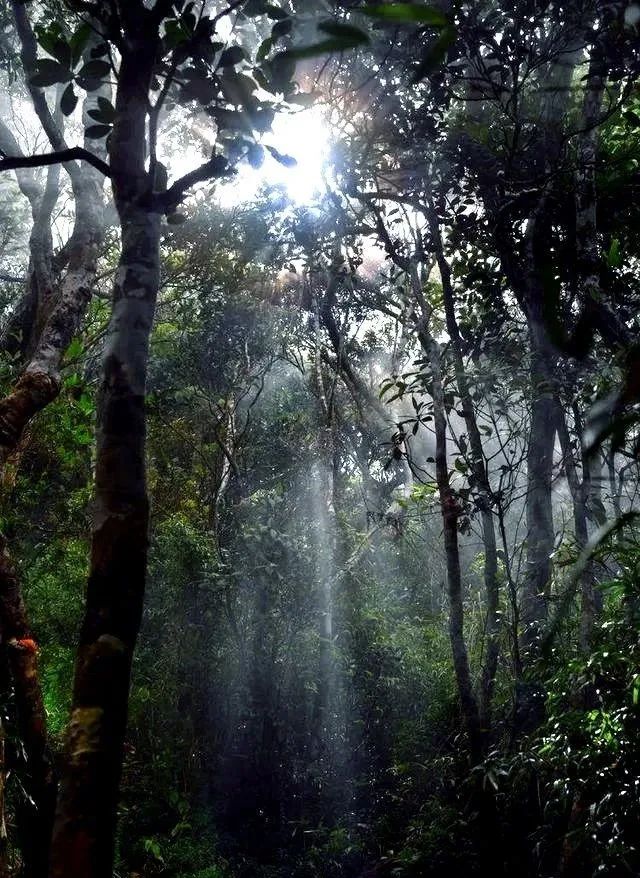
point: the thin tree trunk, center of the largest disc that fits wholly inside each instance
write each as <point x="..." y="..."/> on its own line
<point x="322" y="492"/>
<point x="481" y="480"/>
<point x="450" y="512"/>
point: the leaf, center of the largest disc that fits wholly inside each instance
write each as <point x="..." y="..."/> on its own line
<point x="232" y="55"/>
<point x="202" y="90"/>
<point x="275" y="11"/>
<point x="281" y="28"/>
<point x="632" y="117"/>
<point x="54" y="43"/>
<point x="88" y="84"/>
<point x="287" y="160"/>
<point x="407" y="13"/>
<point x="97" y="116"/>
<point x="68" y="100"/>
<point x="95" y="132"/>
<point x="281" y="69"/>
<point x="265" y="47"/>
<point x="613" y="257"/>
<point x="61" y="51"/>
<point x="255" y="155"/>
<point x="344" y="31"/>
<point x="324" y="47"/>
<point x="49" y="72"/>
<point x="238" y="89"/>
<point x="78" y="42"/>
<point x="107" y="109"/>
<point x="73" y="351"/>
<point x="100" y="50"/>
<point x="435" y="54"/>
<point x="230" y="120"/>
<point x="175" y="33"/>
<point x="94" y="69"/>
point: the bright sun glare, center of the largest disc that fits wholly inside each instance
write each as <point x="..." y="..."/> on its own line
<point x="302" y="135"/>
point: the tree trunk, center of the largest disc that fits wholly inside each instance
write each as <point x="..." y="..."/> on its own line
<point x="450" y="512"/>
<point x="84" y="831"/>
<point x="35" y="818"/>
<point x="539" y="508"/>
<point x="481" y="480"/>
<point x="579" y="489"/>
<point x="38" y="385"/>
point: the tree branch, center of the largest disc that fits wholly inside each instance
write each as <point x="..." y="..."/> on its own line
<point x="217" y="166"/>
<point x="62" y="156"/>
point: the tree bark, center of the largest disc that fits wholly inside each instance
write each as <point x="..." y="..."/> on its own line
<point x="579" y="489"/>
<point x="35" y="818"/>
<point x="450" y="511"/>
<point x="84" y="831"/>
<point x="480" y="476"/>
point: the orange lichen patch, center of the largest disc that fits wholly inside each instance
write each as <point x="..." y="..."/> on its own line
<point x="28" y="643"/>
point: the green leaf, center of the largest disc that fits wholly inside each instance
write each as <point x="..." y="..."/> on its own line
<point x="73" y="351"/>
<point x="407" y="13"/>
<point x="265" y="47"/>
<point x="94" y="69"/>
<point x="344" y="31"/>
<point x="324" y="47"/>
<point x="175" y="33"/>
<point x="232" y="55"/>
<point x="287" y="160"/>
<point x="95" y="132"/>
<point x="49" y="72"/>
<point x="68" y="100"/>
<point x="613" y="257"/>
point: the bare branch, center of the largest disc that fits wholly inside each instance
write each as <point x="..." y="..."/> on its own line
<point x="62" y="156"/>
<point x="216" y="167"/>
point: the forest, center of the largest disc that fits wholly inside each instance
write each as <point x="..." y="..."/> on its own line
<point x="319" y="438"/>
